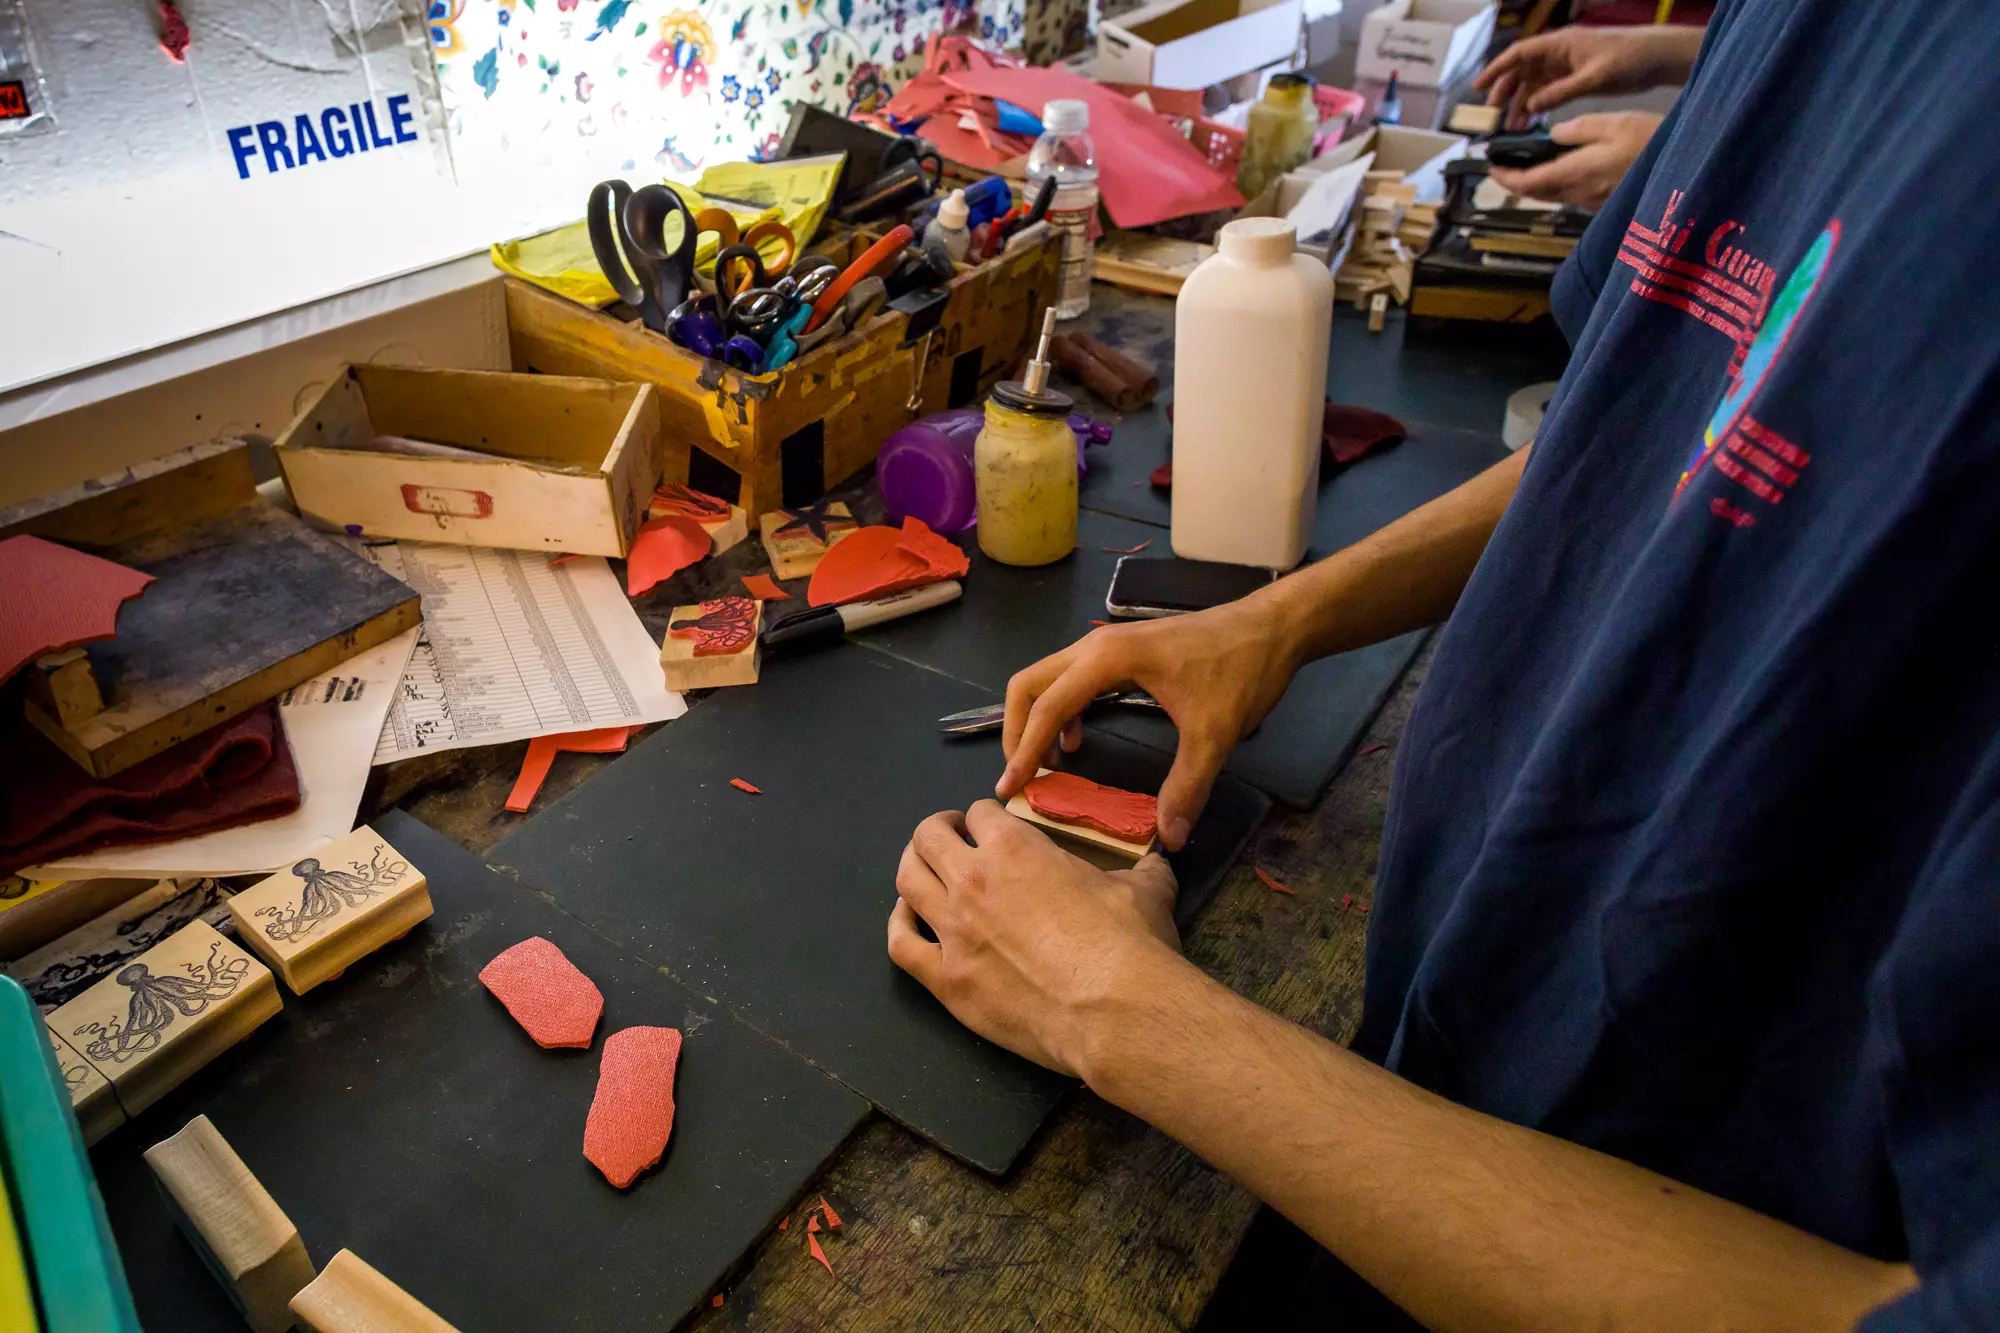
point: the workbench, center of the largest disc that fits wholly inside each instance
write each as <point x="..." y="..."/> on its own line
<point x="1102" y="1222"/>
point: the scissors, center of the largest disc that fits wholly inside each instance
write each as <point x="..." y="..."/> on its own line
<point x="973" y="721"/>
<point x="631" y="225"/>
<point x="723" y="223"/>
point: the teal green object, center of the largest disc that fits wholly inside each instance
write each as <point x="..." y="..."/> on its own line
<point x="78" y="1278"/>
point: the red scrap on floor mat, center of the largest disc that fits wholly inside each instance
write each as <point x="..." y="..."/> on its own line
<point x="1101" y="624"/>
<point x="1127" y="550"/>
<point x="632" y="1112"/>
<point x="832" y="1218"/>
<point x="563" y="559"/>
<point x="784" y="1222"/>
<point x="58" y="598"/>
<point x="741" y="785"/>
<point x="1069" y="799"/>
<point x="1370" y="749"/>
<point x="813" y="1243"/>
<point x="542" y="752"/>
<point x="874" y="562"/>
<point x="765" y="588"/>
<point x="545" y="992"/>
<point x="663" y="548"/>
<point x="1270" y="882"/>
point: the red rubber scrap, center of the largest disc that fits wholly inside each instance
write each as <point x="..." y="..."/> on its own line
<point x="545" y="992"/>
<point x="632" y="1113"/>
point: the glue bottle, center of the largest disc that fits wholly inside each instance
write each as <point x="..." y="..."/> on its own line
<point x="947" y="230"/>
<point x="1024" y="467"/>
<point x="1251" y="328"/>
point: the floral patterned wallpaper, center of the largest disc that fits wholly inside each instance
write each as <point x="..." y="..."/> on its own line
<point x="665" y="87"/>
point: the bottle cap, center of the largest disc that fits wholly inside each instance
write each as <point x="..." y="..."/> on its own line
<point x="1065" y="115"/>
<point x="1258" y="241"/>
<point x="953" y="212"/>
<point x="1286" y="87"/>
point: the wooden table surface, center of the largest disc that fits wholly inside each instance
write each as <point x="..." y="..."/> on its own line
<point x="1104" y="1223"/>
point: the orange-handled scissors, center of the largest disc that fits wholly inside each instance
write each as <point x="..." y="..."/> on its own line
<point x="875" y="257"/>
<point x="723" y="224"/>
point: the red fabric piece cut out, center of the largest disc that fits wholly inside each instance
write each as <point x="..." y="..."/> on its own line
<point x="741" y="785"/>
<point x="1069" y="799"/>
<point x="765" y="588"/>
<point x="632" y="1112"/>
<point x="57" y="598"/>
<point x="877" y="561"/>
<point x="832" y="1218"/>
<point x="721" y="628"/>
<point x="237" y="773"/>
<point x="542" y="752"/>
<point x="553" y="1001"/>
<point x="1271" y="883"/>
<point x="1127" y="550"/>
<point x="813" y="1243"/>
<point x="663" y="548"/>
<point x="1348" y="432"/>
<point x="689" y="503"/>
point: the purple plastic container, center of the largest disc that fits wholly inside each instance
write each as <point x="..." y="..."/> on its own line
<point x="925" y="469"/>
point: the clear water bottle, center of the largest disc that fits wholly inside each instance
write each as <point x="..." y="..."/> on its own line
<point x="1065" y="153"/>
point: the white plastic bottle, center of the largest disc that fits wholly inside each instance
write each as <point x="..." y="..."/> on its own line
<point x="1066" y="153"/>
<point x="1250" y="342"/>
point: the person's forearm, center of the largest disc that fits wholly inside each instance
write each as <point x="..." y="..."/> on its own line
<point x="1467" y="1222"/>
<point x="1673" y="49"/>
<point x="1406" y="576"/>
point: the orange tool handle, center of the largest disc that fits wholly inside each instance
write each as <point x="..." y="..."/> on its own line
<point x="874" y="257"/>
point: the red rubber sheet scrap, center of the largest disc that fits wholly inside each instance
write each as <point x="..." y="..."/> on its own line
<point x="784" y="1222"/>
<point x="57" y="598"/>
<point x="741" y="785"/>
<point x="663" y="548"/>
<point x="675" y="498"/>
<point x="1101" y="624"/>
<point x="812" y="1223"/>
<point x="1271" y="882"/>
<point x="632" y="1112"/>
<point x="1370" y="749"/>
<point x="765" y="588"/>
<point x="876" y="561"/>
<point x="542" y="752"/>
<point x="715" y="1301"/>
<point x="545" y="992"/>
<point x="812" y="1243"/>
<point x="563" y="559"/>
<point x="174" y="35"/>
<point x="1069" y="799"/>
<point x="1126" y="550"/>
<point x="832" y="1218"/>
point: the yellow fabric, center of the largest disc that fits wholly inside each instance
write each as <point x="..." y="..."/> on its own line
<point x="796" y="193"/>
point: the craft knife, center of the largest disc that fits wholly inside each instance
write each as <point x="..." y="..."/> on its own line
<point x="989" y="717"/>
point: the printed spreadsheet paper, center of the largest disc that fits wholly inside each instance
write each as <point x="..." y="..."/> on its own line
<point x="513" y="647"/>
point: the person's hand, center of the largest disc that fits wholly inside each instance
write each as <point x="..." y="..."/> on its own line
<point x="1540" y="73"/>
<point x="1585" y="178"/>
<point x="1216" y="672"/>
<point x="1033" y="944"/>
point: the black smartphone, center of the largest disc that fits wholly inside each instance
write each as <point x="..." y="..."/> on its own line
<point x="1518" y="151"/>
<point x="1148" y="587"/>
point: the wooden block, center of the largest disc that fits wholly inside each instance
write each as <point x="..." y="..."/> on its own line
<point x="311" y="922"/>
<point x="64" y="685"/>
<point x="1378" y="305"/>
<point x="1474" y="118"/>
<point x="233" y="1223"/>
<point x="1500" y="305"/>
<point x="796" y="539"/>
<point x="199" y="481"/>
<point x="351" y="1297"/>
<point x="167" y="1013"/>
<point x="727" y="525"/>
<point x="248" y="603"/>
<point x="35" y="912"/>
<point x="713" y="644"/>
<point x="1126" y="852"/>
<point x="90" y="1096"/>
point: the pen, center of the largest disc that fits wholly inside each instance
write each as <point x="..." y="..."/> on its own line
<point x="830" y="624"/>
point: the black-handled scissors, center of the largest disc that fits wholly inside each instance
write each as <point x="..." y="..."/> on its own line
<point x="630" y="225"/>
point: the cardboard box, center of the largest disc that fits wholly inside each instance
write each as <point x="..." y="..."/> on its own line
<point x="1419" y="155"/>
<point x="577" y="459"/>
<point x="1193" y="43"/>
<point x="1284" y="194"/>
<point x="1427" y="43"/>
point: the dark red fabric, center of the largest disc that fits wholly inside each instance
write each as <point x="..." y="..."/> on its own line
<point x="1346" y="433"/>
<point x="234" y="774"/>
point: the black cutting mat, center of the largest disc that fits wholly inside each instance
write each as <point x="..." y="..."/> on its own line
<point x="778" y="905"/>
<point x="401" y="1113"/>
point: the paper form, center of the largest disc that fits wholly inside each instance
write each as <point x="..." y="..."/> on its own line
<point x="512" y="648"/>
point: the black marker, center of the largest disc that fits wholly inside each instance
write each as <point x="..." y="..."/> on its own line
<point x="830" y="624"/>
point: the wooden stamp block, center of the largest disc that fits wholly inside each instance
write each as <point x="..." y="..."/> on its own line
<point x="795" y="539"/>
<point x="328" y="911"/>
<point x="726" y="524"/>
<point x="351" y="1297"/>
<point x="90" y="1096"/>
<point x="233" y="1223"/>
<point x="713" y="643"/>
<point x="167" y="1013"/>
<point x="1125" y="850"/>
<point x="65" y="686"/>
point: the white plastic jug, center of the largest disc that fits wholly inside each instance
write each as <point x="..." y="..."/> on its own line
<point x="1250" y="342"/>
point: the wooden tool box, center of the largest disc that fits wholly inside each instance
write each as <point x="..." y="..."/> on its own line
<point x="784" y="438"/>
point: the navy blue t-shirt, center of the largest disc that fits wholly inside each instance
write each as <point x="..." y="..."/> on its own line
<point x="1694" y="855"/>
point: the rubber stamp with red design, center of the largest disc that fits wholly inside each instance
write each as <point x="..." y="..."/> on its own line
<point x="1090" y="814"/>
<point x="725" y="524"/>
<point x="713" y="644"/>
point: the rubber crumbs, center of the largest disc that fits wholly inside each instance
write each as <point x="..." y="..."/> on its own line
<point x="1271" y="882"/>
<point x="632" y="1112"/>
<point x="741" y="785"/>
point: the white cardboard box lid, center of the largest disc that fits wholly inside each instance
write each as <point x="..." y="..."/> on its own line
<point x="1193" y="43"/>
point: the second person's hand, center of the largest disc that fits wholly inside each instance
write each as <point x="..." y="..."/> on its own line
<point x="1217" y="673"/>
